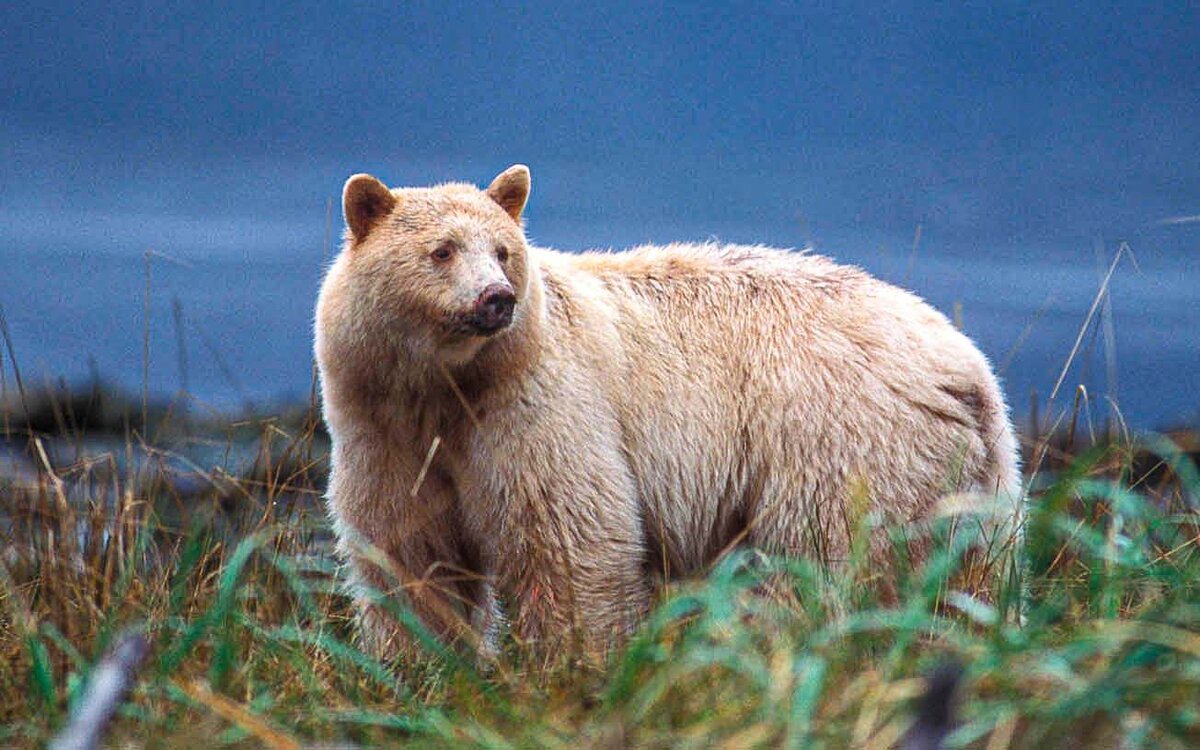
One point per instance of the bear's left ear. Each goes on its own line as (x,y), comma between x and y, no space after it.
(510,190)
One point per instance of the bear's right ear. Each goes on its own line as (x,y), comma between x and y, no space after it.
(365,200)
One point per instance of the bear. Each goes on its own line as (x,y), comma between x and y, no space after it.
(523,430)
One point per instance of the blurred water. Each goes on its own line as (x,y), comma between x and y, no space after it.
(74,302)
(1014,137)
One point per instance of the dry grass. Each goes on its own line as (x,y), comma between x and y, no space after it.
(225,565)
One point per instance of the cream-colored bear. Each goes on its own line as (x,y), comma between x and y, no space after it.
(555,428)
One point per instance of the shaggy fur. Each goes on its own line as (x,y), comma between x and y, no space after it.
(643,411)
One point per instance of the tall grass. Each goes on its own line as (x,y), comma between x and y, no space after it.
(226,567)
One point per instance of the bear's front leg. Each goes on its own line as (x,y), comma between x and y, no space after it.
(449,598)
(404,544)
(572,557)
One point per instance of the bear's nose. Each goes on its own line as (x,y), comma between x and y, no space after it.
(494,308)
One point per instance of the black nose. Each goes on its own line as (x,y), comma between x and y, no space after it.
(494,308)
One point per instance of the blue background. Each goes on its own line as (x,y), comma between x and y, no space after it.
(1023,142)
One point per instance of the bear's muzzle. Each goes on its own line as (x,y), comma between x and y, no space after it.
(493,309)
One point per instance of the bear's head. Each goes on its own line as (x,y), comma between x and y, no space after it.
(440,271)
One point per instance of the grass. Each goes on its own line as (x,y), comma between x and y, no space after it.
(225,567)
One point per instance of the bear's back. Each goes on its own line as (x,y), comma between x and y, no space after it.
(748,371)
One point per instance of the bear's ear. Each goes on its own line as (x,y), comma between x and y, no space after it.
(365,200)
(510,190)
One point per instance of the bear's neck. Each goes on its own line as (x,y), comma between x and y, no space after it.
(406,398)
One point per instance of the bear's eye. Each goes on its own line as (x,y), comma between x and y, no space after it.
(502,254)
(443,253)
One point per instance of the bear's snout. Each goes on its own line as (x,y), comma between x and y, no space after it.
(494,308)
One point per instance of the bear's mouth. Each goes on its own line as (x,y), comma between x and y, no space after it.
(490,327)
(481,325)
